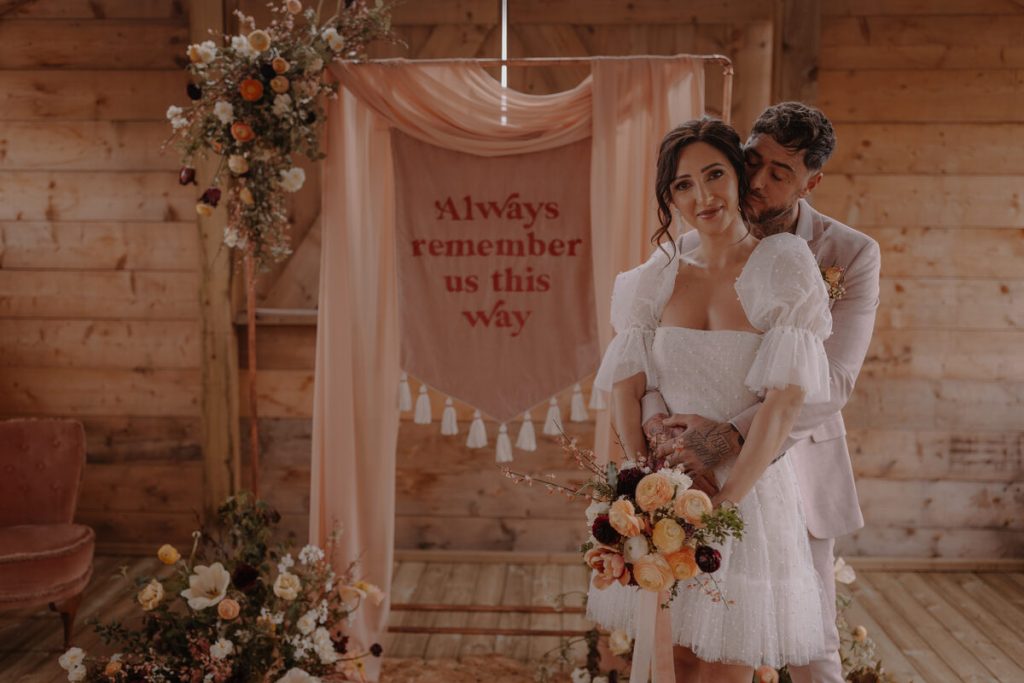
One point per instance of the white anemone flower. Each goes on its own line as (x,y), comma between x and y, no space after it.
(207,586)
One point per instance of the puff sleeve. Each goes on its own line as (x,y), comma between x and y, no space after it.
(783,294)
(637,299)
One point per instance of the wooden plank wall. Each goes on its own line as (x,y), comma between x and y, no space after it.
(929,113)
(98,254)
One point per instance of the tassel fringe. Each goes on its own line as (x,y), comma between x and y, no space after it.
(449,423)
(404,394)
(422,416)
(553,422)
(578,411)
(597,401)
(504,452)
(477,432)
(527,439)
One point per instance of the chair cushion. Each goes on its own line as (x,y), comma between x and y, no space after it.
(42,563)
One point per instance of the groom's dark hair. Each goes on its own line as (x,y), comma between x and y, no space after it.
(798,128)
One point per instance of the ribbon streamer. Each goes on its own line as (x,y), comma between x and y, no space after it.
(652,650)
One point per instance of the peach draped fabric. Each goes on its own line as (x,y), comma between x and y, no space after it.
(625,107)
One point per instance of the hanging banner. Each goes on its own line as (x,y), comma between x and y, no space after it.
(496,295)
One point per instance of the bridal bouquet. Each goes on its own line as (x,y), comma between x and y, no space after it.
(257,99)
(236,610)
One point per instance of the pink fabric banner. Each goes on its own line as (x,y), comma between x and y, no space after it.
(495,279)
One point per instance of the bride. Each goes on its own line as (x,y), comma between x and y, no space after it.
(715,330)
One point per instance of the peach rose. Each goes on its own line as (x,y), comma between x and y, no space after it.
(691,505)
(228,609)
(653,572)
(280,65)
(259,40)
(622,517)
(766,674)
(279,84)
(251,90)
(609,565)
(668,536)
(168,554)
(683,563)
(242,131)
(653,491)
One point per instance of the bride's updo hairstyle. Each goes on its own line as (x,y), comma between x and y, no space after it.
(714,132)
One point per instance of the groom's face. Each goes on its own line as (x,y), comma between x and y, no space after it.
(778,179)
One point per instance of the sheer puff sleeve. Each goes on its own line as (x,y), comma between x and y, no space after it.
(637,299)
(783,294)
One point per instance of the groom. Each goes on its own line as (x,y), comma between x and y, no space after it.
(788,145)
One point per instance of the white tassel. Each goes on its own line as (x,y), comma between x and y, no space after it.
(449,423)
(404,394)
(504,453)
(527,439)
(422,416)
(477,432)
(597,399)
(578,411)
(553,423)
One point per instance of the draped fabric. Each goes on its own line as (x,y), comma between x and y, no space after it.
(625,107)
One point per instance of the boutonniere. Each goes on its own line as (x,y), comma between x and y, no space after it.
(834,277)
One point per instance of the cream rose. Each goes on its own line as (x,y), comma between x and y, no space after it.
(620,643)
(653,491)
(668,536)
(622,517)
(653,573)
(152,595)
(683,563)
(287,586)
(691,505)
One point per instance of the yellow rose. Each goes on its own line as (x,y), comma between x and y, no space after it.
(691,506)
(668,536)
(683,563)
(168,554)
(279,84)
(653,573)
(228,609)
(860,634)
(766,674)
(259,40)
(653,491)
(151,596)
(622,517)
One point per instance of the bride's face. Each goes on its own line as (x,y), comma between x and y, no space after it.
(705,190)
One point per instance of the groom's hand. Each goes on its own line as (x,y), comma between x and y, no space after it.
(703,444)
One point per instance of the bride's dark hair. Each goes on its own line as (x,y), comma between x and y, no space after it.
(714,132)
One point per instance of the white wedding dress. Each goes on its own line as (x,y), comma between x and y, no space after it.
(775,614)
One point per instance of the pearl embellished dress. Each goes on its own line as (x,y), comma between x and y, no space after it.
(775,613)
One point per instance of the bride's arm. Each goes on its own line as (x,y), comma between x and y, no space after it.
(770,427)
(626,396)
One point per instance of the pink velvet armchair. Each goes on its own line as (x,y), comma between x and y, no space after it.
(44,557)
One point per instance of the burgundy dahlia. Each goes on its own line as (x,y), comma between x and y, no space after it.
(376,650)
(708,559)
(194,91)
(603,530)
(245,577)
(628,480)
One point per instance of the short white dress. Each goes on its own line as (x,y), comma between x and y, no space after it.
(776,614)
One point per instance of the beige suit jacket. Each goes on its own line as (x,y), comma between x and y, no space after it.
(817,443)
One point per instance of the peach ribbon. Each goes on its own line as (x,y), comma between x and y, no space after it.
(652,651)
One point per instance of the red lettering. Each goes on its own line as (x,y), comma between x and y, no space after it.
(556,247)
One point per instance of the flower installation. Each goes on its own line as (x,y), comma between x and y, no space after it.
(256,100)
(237,610)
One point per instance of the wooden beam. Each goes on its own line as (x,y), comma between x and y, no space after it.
(219,365)
(797,46)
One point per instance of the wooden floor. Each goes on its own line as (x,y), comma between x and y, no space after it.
(930,626)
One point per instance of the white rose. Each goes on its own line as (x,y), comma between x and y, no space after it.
(333,39)
(297,675)
(222,648)
(77,673)
(307,622)
(287,586)
(580,675)
(293,179)
(635,548)
(207,51)
(282,104)
(224,111)
(72,658)
(620,643)
(240,44)
(207,586)
(596,509)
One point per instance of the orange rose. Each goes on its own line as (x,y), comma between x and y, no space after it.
(251,90)
(683,563)
(653,572)
(691,505)
(622,517)
(668,536)
(653,491)
(279,84)
(112,668)
(228,609)
(609,565)
(242,131)
(280,65)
